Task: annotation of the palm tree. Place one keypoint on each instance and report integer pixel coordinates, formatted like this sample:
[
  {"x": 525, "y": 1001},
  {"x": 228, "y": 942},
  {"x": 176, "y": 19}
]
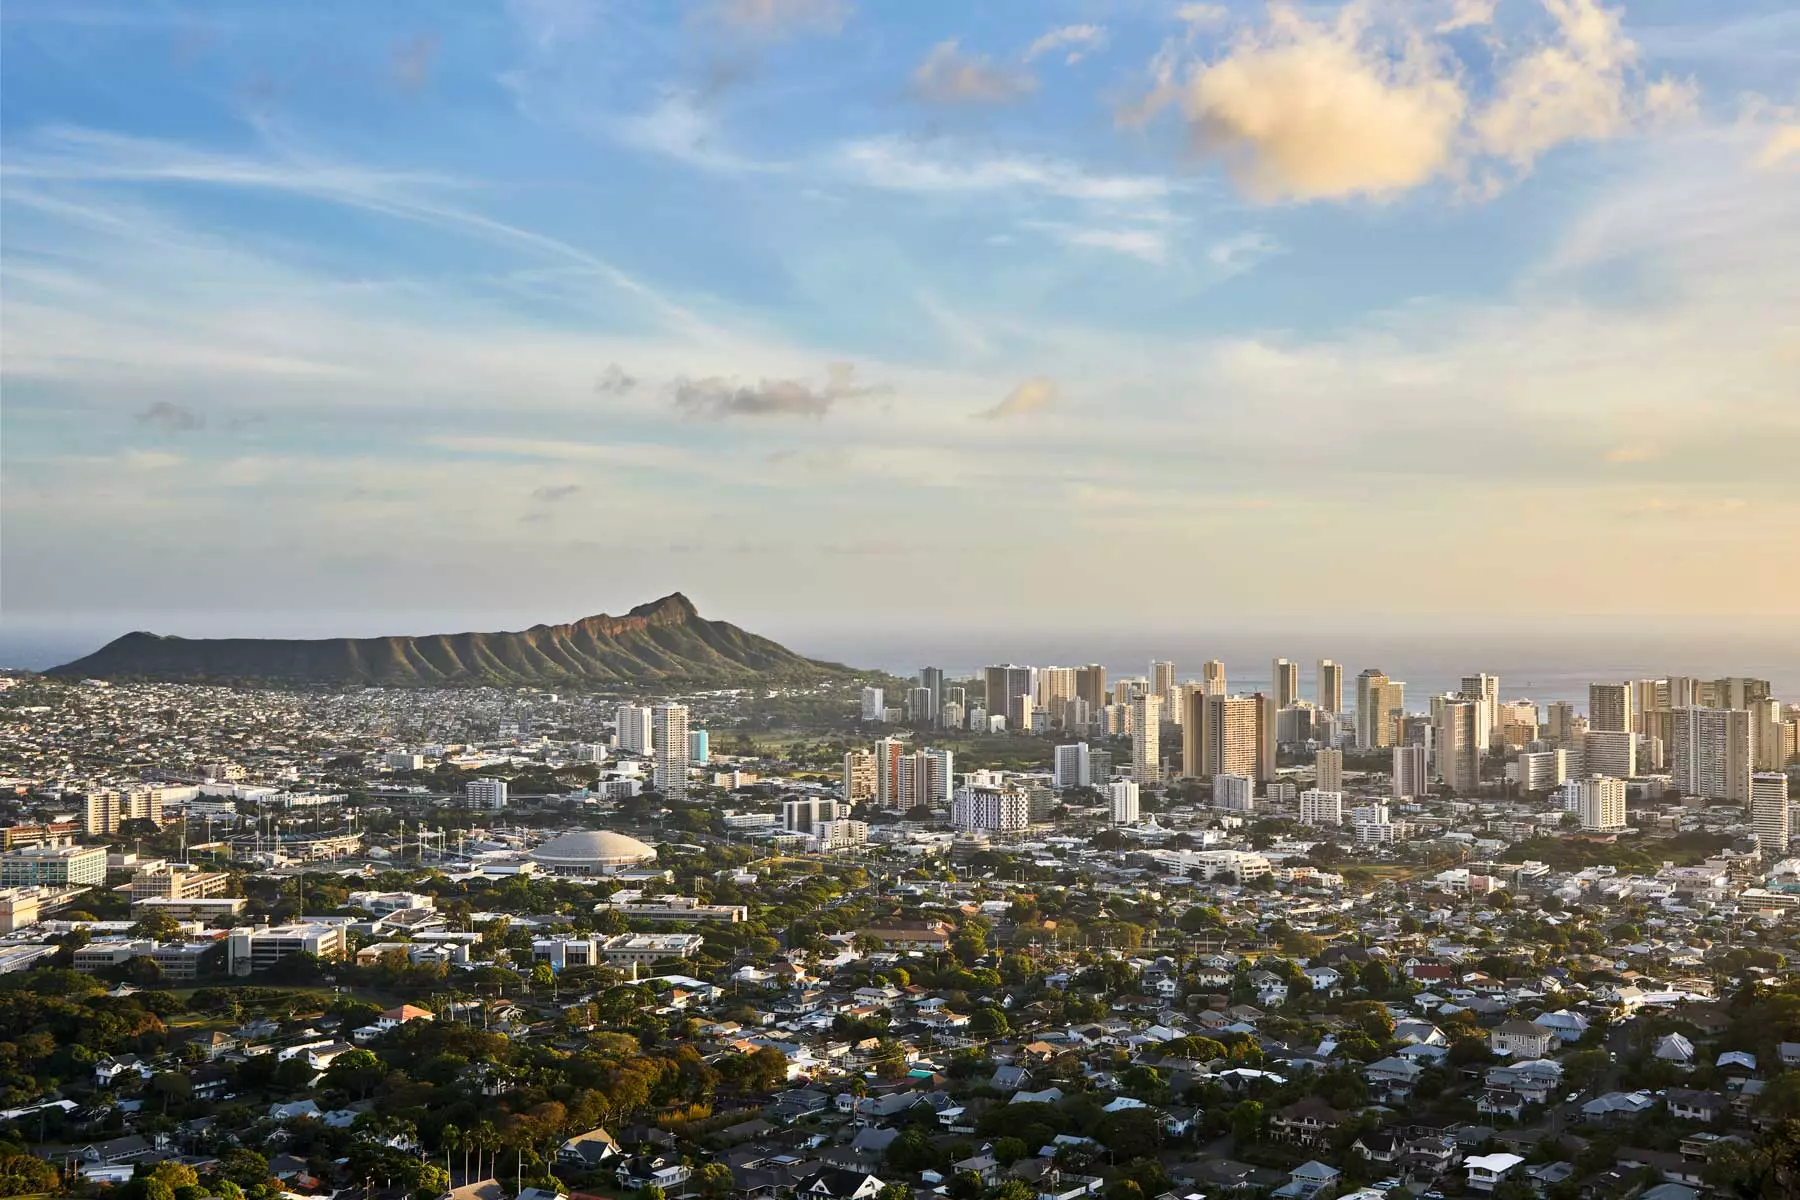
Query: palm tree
[{"x": 452, "y": 1138}]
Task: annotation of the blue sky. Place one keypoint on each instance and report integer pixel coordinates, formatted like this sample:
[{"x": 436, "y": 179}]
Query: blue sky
[{"x": 348, "y": 317}]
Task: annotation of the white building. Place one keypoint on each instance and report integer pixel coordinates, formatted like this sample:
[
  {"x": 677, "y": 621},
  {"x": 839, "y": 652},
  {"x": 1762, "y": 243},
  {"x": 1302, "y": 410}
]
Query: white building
[
  {"x": 1601, "y": 802},
  {"x": 669, "y": 734},
  {"x": 1542, "y": 770},
  {"x": 1072, "y": 766},
  {"x": 1769, "y": 813},
  {"x": 1711, "y": 753},
  {"x": 1610, "y": 752},
  {"x": 990, "y": 809},
  {"x": 1146, "y": 738},
  {"x": 634, "y": 729},
  {"x": 1234, "y": 792},
  {"x": 1321, "y": 807},
  {"x": 486, "y": 794},
  {"x": 1124, "y": 798},
  {"x": 874, "y": 704},
  {"x": 806, "y": 814},
  {"x": 841, "y": 834},
  {"x": 1371, "y": 823},
  {"x": 1412, "y": 777}
]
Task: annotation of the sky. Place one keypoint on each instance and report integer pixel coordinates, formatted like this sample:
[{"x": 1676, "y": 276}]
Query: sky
[{"x": 887, "y": 320}]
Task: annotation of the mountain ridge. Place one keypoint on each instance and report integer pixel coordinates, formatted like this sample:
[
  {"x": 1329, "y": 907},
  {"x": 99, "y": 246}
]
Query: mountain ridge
[{"x": 665, "y": 641}]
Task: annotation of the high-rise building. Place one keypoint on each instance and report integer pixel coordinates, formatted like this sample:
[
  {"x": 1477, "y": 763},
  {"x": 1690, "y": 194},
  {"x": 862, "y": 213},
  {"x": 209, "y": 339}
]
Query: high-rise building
[
  {"x": 1541, "y": 770},
  {"x": 1769, "y": 813},
  {"x": 1054, "y": 685},
  {"x": 1100, "y": 766},
  {"x": 1380, "y": 703},
  {"x": 1123, "y": 797},
  {"x": 806, "y": 814},
  {"x": 1601, "y": 803},
  {"x": 1411, "y": 775},
  {"x": 1609, "y": 706},
  {"x": 1328, "y": 770},
  {"x": 1236, "y": 793},
  {"x": 1711, "y": 753},
  {"x": 1768, "y": 748},
  {"x": 1235, "y": 735},
  {"x": 1005, "y": 684},
  {"x": 101, "y": 813},
  {"x": 1090, "y": 685},
  {"x": 1737, "y": 691},
  {"x": 1072, "y": 767},
  {"x": 990, "y": 810},
  {"x": 1610, "y": 752},
  {"x": 1559, "y": 723},
  {"x": 669, "y": 729},
  {"x": 1516, "y": 723},
  {"x": 1330, "y": 686},
  {"x": 486, "y": 794},
  {"x": 1162, "y": 682},
  {"x": 1146, "y": 739},
  {"x": 874, "y": 704},
  {"x": 1647, "y": 696},
  {"x": 699, "y": 747},
  {"x": 932, "y": 679},
  {"x": 1321, "y": 806},
  {"x": 888, "y": 753},
  {"x": 921, "y": 709},
  {"x": 859, "y": 776},
  {"x": 1286, "y": 682},
  {"x": 926, "y": 778},
  {"x": 1484, "y": 689},
  {"x": 635, "y": 734},
  {"x": 1457, "y": 736},
  {"x": 1212, "y": 677}
]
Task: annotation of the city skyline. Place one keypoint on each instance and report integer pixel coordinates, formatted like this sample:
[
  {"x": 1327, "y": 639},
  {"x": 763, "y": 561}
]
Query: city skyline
[{"x": 314, "y": 312}]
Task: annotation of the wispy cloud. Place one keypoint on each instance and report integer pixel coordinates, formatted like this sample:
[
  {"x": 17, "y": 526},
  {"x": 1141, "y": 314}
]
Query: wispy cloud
[
  {"x": 950, "y": 76},
  {"x": 1029, "y": 397},
  {"x": 168, "y": 417},
  {"x": 1075, "y": 42},
  {"x": 719, "y": 398},
  {"x": 555, "y": 493},
  {"x": 1149, "y": 245},
  {"x": 900, "y": 164}
]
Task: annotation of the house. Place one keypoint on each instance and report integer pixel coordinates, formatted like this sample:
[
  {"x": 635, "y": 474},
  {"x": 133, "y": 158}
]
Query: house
[
  {"x": 1487, "y": 1170},
  {"x": 1687, "y": 1104},
  {"x": 1377, "y": 1147},
  {"x": 1790, "y": 1054},
  {"x": 588, "y": 1150},
  {"x": 1392, "y": 1078},
  {"x": 1309, "y": 1178},
  {"x": 1010, "y": 1079},
  {"x": 108, "y": 1070},
  {"x": 1501, "y": 1102},
  {"x": 1567, "y": 1026},
  {"x": 294, "y": 1110},
  {"x": 1618, "y": 1105},
  {"x": 1520, "y": 1039},
  {"x": 1741, "y": 1060},
  {"x": 214, "y": 1043},
  {"x": 1309, "y": 1121},
  {"x": 1534, "y": 1079},
  {"x": 836, "y": 1184},
  {"x": 1413, "y": 1032},
  {"x": 1676, "y": 1049},
  {"x": 664, "y": 1170},
  {"x": 1325, "y": 979}
]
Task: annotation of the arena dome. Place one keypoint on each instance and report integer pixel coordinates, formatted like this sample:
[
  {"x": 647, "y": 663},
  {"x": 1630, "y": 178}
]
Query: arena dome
[{"x": 591, "y": 852}]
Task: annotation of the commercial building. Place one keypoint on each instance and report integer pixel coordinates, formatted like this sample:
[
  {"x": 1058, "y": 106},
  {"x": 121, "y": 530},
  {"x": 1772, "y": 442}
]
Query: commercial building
[
  {"x": 806, "y": 814},
  {"x": 210, "y": 908},
  {"x": 669, "y": 729},
  {"x": 259, "y": 947},
  {"x": 1328, "y": 770},
  {"x": 488, "y": 795},
  {"x": 625, "y": 949},
  {"x": 1600, "y": 803},
  {"x": 1711, "y": 753},
  {"x": 699, "y": 747},
  {"x": 1284, "y": 675},
  {"x": 1123, "y": 798},
  {"x": 178, "y": 883},
  {"x": 53, "y": 866},
  {"x": 1321, "y": 807}
]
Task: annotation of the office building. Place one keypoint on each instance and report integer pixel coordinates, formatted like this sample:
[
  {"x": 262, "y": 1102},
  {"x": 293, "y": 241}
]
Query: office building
[
  {"x": 1329, "y": 692},
  {"x": 1710, "y": 755},
  {"x": 1516, "y": 725},
  {"x": 1484, "y": 689},
  {"x": 1457, "y": 735},
  {"x": 1600, "y": 803},
  {"x": 1005, "y": 684},
  {"x": 1285, "y": 682},
  {"x": 1328, "y": 770},
  {"x": 990, "y": 810},
  {"x": 1609, "y": 707},
  {"x": 53, "y": 866},
  {"x": 932, "y": 680},
  {"x": 699, "y": 747},
  {"x": 888, "y": 753},
  {"x": 1146, "y": 743},
  {"x": 1769, "y": 813},
  {"x": 1234, "y": 735},
  {"x": 1768, "y": 742},
  {"x": 1542, "y": 770},
  {"x": 859, "y": 776},
  {"x": 1071, "y": 766},
  {"x": 634, "y": 731},
  {"x": 1411, "y": 774},
  {"x": 874, "y": 704},
  {"x": 1559, "y": 723},
  {"x": 487, "y": 795},
  {"x": 1609, "y": 752},
  {"x": 1372, "y": 824},
  {"x": 1236, "y": 793},
  {"x": 1123, "y": 798},
  {"x": 1054, "y": 685},
  {"x": 249, "y": 949},
  {"x": 1212, "y": 677},
  {"x": 669, "y": 728},
  {"x": 1319, "y": 806},
  {"x": 806, "y": 814},
  {"x": 1100, "y": 766},
  {"x": 1090, "y": 685},
  {"x": 1380, "y": 703}
]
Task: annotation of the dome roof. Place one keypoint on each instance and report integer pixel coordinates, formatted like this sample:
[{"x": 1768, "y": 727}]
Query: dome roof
[{"x": 593, "y": 845}]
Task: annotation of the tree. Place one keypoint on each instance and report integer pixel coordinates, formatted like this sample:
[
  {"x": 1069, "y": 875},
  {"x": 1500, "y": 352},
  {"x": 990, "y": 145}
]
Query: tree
[
  {"x": 989, "y": 1022},
  {"x": 1247, "y": 1121},
  {"x": 1130, "y": 1132},
  {"x": 158, "y": 925},
  {"x": 714, "y": 1181},
  {"x": 1013, "y": 1189},
  {"x": 1009, "y": 1150}
]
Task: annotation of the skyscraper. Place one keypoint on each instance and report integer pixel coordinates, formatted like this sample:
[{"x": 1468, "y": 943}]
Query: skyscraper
[
  {"x": 1235, "y": 736},
  {"x": 669, "y": 728},
  {"x": 1559, "y": 723},
  {"x": 1710, "y": 756},
  {"x": 1123, "y": 797},
  {"x": 1600, "y": 802},
  {"x": 921, "y": 706},
  {"x": 932, "y": 678},
  {"x": 1410, "y": 773},
  {"x": 1328, "y": 770},
  {"x": 1055, "y": 685},
  {"x": 1330, "y": 686},
  {"x": 1162, "y": 682},
  {"x": 1380, "y": 702},
  {"x": 1485, "y": 689},
  {"x": 1212, "y": 677},
  {"x": 1090, "y": 685},
  {"x": 1071, "y": 766},
  {"x": 1146, "y": 735},
  {"x": 634, "y": 733},
  {"x": 1286, "y": 682},
  {"x": 1005, "y": 684},
  {"x": 1768, "y": 738},
  {"x": 1611, "y": 752},
  {"x": 859, "y": 776},
  {"x": 874, "y": 704},
  {"x": 1609, "y": 706},
  {"x": 1458, "y": 740},
  {"x": 1769, "y": 814},
  {"x": 888, "y": 752}
]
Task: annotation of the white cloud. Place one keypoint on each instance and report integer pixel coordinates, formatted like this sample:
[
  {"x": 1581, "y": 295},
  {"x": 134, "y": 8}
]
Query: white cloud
[
  {"x": 899, "y": 164},
  {"x": 1146, "y": 245},
  {"x": 948, "y": 76},
  {"x": 1077, "y": 40},
  {"x": 679, "y": 127},
  {"x": 1468, "y": 14},
  {"x": 1782, "y": 144},
  {"x": 1031, "y": 396}
]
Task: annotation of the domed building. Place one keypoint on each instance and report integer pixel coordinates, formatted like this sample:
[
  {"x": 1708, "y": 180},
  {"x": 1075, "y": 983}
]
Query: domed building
[{"x": 591, "y": 852}]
